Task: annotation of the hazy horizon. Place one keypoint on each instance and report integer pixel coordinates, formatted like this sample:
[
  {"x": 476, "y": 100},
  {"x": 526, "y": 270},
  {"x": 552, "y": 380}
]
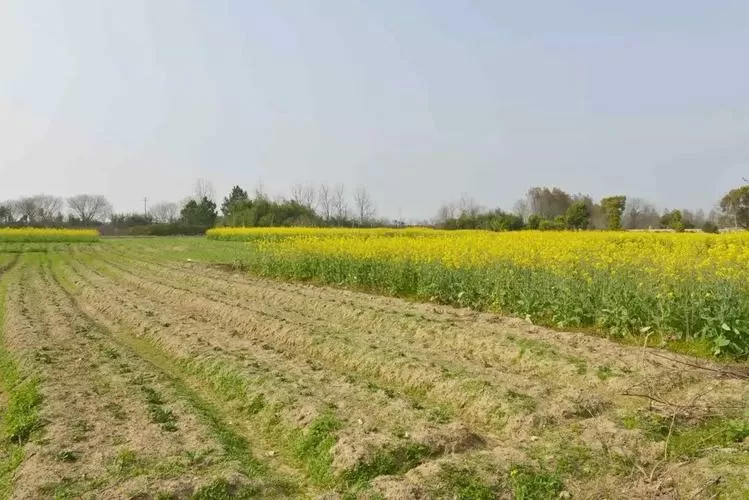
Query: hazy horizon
[{"x": 418, "y": 101}]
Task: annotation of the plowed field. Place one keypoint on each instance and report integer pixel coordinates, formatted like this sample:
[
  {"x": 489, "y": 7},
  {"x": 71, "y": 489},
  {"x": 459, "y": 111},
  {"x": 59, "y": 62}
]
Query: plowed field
[{"x": 130, "y": 373}]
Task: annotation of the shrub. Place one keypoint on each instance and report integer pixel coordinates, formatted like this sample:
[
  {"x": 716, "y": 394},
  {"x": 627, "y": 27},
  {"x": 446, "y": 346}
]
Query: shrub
[{"x": 710, "y": 227}]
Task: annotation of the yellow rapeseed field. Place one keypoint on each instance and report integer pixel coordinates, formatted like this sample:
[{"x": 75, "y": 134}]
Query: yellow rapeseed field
[
  {"x": 669, "y": 255},
  {"x": 684, "y": 285},
  {"x": 32, "y": 234}
]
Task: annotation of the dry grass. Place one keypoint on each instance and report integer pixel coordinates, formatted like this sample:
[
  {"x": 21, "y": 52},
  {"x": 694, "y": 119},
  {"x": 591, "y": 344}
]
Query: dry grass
[{"x": 347, "y": 392}]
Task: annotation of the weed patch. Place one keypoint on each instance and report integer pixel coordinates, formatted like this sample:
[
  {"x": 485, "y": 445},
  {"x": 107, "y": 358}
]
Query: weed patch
[
  {"x": 395, "y": 461},
  {"x": 463, "y": 484},
  {"x": 312, "y": 446},
  {"x": 531, "y": 484}
]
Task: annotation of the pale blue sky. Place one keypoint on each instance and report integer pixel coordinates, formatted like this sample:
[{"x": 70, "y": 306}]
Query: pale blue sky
[{"x": 420, "y": 101}]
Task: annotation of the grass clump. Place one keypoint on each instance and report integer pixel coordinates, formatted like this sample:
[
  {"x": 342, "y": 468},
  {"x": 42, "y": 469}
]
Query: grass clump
[
  {"x": 67, "y": 456},
  {"x": 22, "y": 416},
  {"x": 221, "y": 489},
  {"x": 688, "y": 440},
  {"x": 521, "y": 401},
  {"x": 460, "y": 483},
  {"x": 126, "y": 464},
  {"x": 152, "y": 396},
  {"x": 163, "y": 416},
  {"x": 527, "y": 483},
  {"x": 312, "y": 446},
  {"x": 395, "y": 461},
  {"x": 715, "y": 433}
]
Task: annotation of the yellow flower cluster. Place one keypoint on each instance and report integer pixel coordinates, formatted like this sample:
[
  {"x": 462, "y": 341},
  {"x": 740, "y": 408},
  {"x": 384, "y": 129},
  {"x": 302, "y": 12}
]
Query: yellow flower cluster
[
  {"x": 666, "y": 255},
  {"x": 33, "y": 234}
]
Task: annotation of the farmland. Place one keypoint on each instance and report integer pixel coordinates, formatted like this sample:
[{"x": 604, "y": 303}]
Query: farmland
[
  {"x": 182, "y": 367},
  {"x": 686, "y": 288},
  {"x": 35, "y": 235}
]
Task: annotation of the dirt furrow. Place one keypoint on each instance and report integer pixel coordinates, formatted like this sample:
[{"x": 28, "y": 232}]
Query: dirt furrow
[
  {"x": 375, "y": 421},
  {"x": 580, "y": 392},
  {"x": 390, "y": 343},
  {"x": 357, "y": 351},
  {"x": 484, "y": 343},
  {"x": 478, "y": 327},
  {"x": 112, "y": 426}
]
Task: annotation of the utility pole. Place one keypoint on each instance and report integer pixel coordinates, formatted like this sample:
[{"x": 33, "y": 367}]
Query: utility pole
[{"x": 145, "y": 206}]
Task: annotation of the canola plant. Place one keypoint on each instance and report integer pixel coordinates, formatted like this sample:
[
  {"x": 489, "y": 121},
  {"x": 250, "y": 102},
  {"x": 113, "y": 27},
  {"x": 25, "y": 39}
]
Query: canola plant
[{"x": 691, "y": 287}]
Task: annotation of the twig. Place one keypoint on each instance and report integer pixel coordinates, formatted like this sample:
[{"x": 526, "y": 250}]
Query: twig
[
  {"x": 710, "y": 483},
  {"x": 702, "y": 367},
  {"x": 652, "y": 398},
  {"x": 655, "y": 468},
  {"x": 644, "y": 349},
  {"x": 668, "y": 438},
  {"x": 684, "y": 406}
]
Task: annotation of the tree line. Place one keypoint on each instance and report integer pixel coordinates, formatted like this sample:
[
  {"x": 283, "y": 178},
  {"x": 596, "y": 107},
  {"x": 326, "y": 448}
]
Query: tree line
[
  {"x": 306, "y": 206},
  {"x": 543, "y": 208},
  {"x": 547, "y": 208}
]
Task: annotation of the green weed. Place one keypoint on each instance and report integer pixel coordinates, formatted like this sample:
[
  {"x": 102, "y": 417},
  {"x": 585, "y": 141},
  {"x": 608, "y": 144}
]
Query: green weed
[
  {"x": 223, "y": 490},
  {"x": 67, "y": 456},
  {"x": 127, "y": 463},
  {"x": 163, "y": 416},
  {"x": 521, "y": 401},
  {"x": 694, "y": 441},
  {"x": 462, "y": 484},
  {"x": 604, "y": 372},
  {"x": 312, "y": 446},
  {"x": 395, "y": 461},
  {"x": 152, "y": 396},
  {"x": 530, "y": 484}
]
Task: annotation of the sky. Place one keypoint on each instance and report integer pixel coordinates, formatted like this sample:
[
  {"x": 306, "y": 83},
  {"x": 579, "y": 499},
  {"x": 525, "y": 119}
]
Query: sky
[{"x": 418, "y": 101}]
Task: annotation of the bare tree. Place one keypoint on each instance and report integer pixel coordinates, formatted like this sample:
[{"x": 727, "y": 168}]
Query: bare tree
[
  {"x": 89, "y": 207},
  {"x": 700, "y": 218},
  {"x": 260, "y": 193},
  {"x": 165, "y": 212},
  {"x": 325, "y": 201},
  {"x": 204, "y": 189},
  {"x": 6, "y": 213},
  {"x": 633, "y": 213},
  {"x": 49, "y": 207},
  {"x": 468, "y": 207},
  {"x": 365, "y": 207},
  {"x": 548, "y": 203},
  {"x": 640, "y": 214},
  {"x": 522, "y": 208},
  {"x": 338, "y": 202},
  {"x": 303, "y": 195},
  {"x": 184, "y": 201},
  {"x": 27, "y": 210},
  {"x": 446, "y": 212},
  {"x": 37, "y": 209},
  {"x": 15, "y": 209}
]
